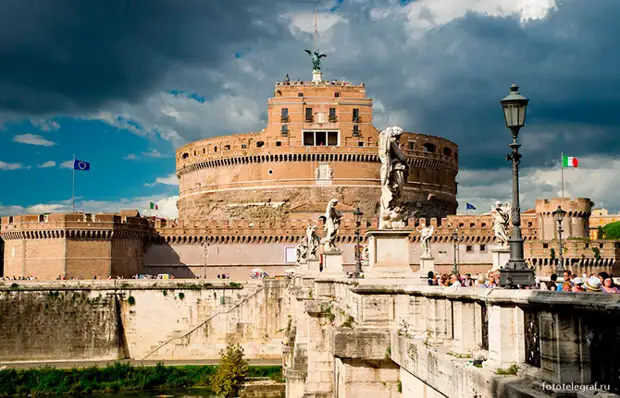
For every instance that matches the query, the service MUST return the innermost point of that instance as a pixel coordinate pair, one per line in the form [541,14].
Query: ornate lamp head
[515,107]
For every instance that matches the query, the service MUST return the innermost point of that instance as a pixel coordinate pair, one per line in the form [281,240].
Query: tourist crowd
[570,282]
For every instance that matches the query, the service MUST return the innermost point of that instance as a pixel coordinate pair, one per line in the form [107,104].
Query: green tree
[612,230]
[552,254]
[231,372]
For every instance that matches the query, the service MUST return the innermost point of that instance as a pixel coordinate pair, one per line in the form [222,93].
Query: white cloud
[172,179]
[10,166]
[424,15]
[45,124]
[67,165]
[152,153]
[595,178]
[167,206]
[179,119]
[47,164]
[32,139]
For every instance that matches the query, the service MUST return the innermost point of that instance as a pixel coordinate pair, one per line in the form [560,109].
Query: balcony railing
[357,119]
[333,119]
[284,119]
[309,119]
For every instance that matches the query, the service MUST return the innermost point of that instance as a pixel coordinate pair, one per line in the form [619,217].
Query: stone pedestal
[501,255]
[317,76]
[313,268]
[332,264]
[302,267]
[388,254]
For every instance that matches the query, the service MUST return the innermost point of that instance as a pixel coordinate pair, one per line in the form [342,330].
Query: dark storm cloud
[68,55]
[566,65]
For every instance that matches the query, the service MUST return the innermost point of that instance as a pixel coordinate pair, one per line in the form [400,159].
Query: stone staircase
[177,335]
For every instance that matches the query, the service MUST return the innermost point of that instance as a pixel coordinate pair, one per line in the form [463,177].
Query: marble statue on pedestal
[394,171]
[425,240]
[302,250]
[501,220]
[332,226]
[313,241]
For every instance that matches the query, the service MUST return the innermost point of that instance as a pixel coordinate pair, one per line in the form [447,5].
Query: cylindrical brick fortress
[319,144]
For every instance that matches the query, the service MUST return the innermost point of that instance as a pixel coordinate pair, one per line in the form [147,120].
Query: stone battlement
[75,225]
[578,207]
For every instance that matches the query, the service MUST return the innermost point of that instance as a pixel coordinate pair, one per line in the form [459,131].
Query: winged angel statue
[316,59]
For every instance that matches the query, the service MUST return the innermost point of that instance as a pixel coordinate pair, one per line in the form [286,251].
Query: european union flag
[470,206]
[81,165]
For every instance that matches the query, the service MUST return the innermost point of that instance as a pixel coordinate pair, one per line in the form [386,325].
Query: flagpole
[73,187]
[562,171]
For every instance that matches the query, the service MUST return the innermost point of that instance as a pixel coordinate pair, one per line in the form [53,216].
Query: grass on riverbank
[113,378]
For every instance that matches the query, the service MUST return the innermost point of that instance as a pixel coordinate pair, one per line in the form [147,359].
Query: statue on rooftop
[315,56]
[394,171]
[501,220]
[332,226]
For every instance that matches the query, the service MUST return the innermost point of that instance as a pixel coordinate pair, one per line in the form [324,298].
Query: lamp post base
[512,278]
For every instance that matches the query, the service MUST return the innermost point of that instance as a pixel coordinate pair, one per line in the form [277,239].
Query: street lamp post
[558,216]
[358,260]
[515,272]
[455,240]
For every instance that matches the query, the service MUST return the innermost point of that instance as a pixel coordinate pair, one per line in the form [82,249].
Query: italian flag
[153,206]
[568,161]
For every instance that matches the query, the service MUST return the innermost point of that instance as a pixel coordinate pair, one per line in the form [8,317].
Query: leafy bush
[231,372]
[113,378]
[612,230]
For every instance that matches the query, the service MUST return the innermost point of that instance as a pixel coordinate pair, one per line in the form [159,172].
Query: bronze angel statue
[316,58]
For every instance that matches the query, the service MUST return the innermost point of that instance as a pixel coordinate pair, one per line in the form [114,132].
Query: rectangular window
[309,138]
[332,115]
[356,115]
[243,146]
[332,138]
[284,129]
[361,143]
[284,115]
[278,143]
[483,248]
[411,145]
[308,114]
[321,138]
[10,219]
[469,249]
[356,131]
[545,245]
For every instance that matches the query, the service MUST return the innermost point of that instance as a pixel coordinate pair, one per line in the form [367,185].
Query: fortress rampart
[78,244]
[576,222]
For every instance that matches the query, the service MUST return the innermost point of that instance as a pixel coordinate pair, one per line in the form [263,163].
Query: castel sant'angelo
[245,201]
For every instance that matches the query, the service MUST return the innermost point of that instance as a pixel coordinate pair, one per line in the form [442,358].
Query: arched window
[428,147]
[447,152]
[215,148]
[227,147]
[260,144]
[185,155]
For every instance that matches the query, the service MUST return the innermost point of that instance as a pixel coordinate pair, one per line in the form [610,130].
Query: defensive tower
[319,144]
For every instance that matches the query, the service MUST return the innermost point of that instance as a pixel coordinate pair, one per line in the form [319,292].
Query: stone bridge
[399,338]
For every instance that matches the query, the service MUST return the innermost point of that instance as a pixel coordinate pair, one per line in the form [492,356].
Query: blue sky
[169,75]
[123,164]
